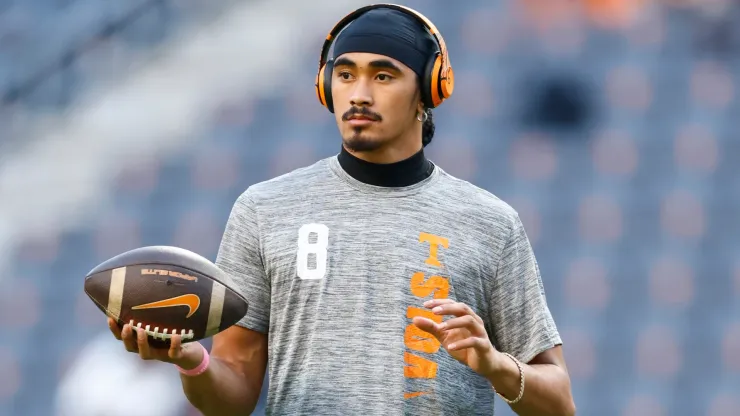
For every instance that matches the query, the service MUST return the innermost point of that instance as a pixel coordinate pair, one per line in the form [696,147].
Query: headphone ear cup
[318,85]
[435,84]
[328,73]
[448,83]
[430,83]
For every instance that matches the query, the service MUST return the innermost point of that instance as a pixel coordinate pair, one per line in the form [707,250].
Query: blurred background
[610,125]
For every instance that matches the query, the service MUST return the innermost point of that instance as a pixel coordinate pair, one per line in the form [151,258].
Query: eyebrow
[377,64]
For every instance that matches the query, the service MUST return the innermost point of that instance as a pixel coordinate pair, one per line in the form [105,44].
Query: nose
[362,95]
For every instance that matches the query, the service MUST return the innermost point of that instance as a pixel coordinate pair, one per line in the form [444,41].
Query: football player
[378,283]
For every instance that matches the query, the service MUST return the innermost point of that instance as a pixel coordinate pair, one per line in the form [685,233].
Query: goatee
[360,143]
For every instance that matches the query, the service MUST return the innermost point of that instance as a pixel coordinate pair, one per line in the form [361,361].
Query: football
[164,291]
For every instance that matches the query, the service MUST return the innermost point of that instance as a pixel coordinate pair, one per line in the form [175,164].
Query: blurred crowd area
[610,125]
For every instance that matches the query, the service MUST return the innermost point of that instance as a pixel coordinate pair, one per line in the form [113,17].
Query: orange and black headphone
[437,83]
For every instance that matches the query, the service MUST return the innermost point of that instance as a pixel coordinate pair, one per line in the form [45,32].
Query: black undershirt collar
[393,175]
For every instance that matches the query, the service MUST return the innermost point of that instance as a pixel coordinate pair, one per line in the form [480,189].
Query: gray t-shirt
[335,269]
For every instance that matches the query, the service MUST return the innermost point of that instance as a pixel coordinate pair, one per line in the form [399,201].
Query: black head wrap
[390,33]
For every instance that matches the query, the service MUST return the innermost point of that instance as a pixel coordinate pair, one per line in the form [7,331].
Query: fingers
[472,342]
[175,350]
[449,307]
[427,325]
[455,309]
[437,302]
[137,342]
[464,319]
[467,322]
[129,338]
[142,342]
[114,328]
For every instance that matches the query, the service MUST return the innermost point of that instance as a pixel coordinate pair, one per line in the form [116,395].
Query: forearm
[546,388]
[220,391]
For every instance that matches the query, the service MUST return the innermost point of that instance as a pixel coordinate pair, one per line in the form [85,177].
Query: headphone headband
[437,83]
[411,12]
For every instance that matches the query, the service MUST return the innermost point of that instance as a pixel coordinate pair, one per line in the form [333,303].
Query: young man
[379,284]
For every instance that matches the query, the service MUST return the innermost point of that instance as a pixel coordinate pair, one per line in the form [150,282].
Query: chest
[389,255]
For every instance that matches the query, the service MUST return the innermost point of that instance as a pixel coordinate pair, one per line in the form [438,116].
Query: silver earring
[423,117]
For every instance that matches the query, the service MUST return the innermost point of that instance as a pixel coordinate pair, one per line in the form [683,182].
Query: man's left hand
[464,336]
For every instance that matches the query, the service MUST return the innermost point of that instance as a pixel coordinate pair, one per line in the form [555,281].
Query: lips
[360,121]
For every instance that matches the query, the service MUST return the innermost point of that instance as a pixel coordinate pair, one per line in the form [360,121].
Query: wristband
[201,368]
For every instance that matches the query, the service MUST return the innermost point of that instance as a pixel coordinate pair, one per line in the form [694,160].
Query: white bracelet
[521,381]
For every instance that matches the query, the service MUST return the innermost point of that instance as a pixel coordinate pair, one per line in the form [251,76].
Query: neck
[406,172]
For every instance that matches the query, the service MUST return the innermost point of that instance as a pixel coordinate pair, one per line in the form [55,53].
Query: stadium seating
[633,215]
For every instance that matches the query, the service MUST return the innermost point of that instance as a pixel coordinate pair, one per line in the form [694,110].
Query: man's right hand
[187,356]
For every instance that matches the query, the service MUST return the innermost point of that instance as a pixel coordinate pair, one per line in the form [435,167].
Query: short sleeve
[520,319]
[239,256]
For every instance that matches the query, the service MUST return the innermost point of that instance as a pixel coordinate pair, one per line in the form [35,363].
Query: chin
[362,143]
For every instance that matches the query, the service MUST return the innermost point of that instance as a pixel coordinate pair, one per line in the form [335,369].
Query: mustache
[362,111]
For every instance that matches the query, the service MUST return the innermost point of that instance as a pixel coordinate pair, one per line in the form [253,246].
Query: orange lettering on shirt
[418,340]
[437,285]
[418,367]
[414,338]
[434,243]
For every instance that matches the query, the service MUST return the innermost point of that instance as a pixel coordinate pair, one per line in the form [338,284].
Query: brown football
[165,290]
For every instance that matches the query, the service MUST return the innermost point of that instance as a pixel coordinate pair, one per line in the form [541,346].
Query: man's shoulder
[291,184]
[477,201]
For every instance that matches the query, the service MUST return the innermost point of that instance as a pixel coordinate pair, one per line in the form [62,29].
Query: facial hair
[358,142]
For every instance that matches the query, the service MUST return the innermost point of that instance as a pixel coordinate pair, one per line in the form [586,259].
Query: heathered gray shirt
[335,269]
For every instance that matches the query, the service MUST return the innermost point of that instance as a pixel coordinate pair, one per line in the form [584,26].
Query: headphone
[438,80]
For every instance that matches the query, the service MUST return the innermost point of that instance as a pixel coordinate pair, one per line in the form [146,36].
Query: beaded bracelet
[521,381]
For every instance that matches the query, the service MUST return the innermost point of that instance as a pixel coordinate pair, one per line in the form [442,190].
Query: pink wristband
[201,368]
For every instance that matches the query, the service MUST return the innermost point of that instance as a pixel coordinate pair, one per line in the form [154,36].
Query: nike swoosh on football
[191,301]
